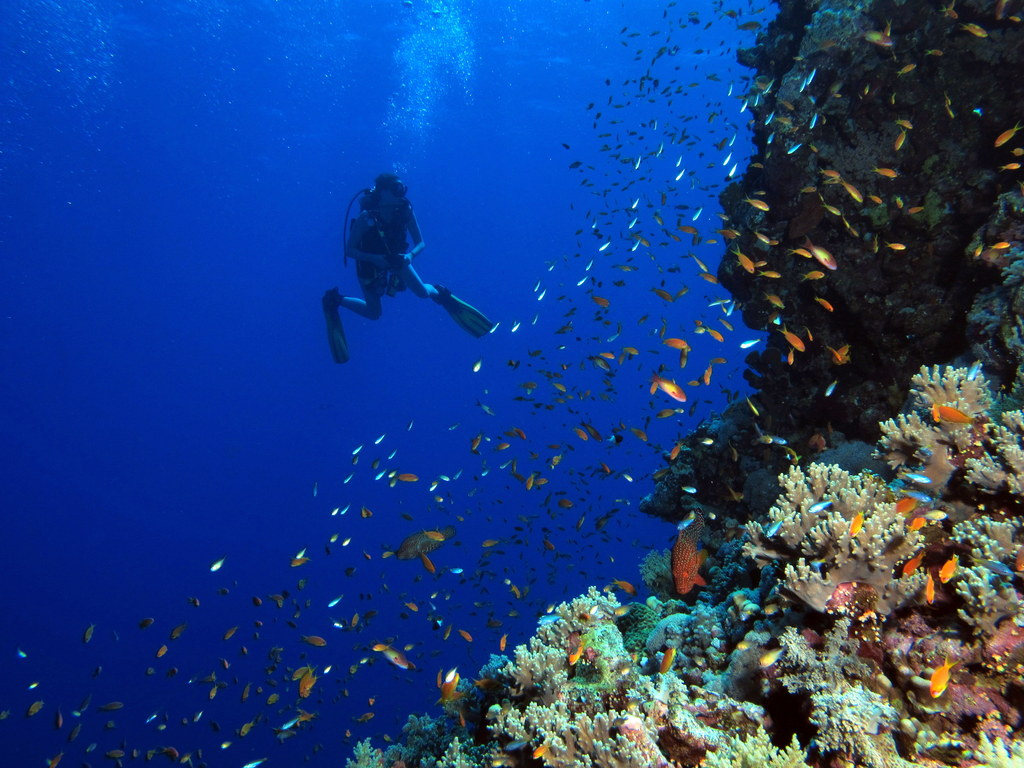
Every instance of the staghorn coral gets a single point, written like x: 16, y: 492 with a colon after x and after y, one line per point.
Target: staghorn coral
x: 1001, y: 469
x: 850, y: 718
x: 811, y: 530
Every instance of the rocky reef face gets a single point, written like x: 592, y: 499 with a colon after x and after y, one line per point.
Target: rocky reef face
x: 878, y: 229
x: 875, y: 124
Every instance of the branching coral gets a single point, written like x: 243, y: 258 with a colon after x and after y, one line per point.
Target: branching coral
x: 812, y: 528
x: 600, y: 710
x: 989, y: 598
x: 755, y: 751
x: 572, y: 738
x: 849, y: 717
x: 986, y: 586
x: 541, y: 669
x: 656, y: 573
x: 988, y: 539
x: 930, y: 441
x: 1001, y: 469
x: 999, y: 753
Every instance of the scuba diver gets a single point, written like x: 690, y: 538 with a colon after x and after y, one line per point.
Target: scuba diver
x: 378, y: 243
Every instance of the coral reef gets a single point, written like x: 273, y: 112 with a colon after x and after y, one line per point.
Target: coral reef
x: 860, y: 610
x: 841, y: 538
x: 849, y: 718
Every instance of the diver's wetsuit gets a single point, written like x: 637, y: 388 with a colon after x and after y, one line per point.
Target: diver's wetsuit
x: 384, y: 262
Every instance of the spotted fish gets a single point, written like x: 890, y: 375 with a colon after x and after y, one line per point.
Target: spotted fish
x: 420, y: 543
x: 686, y: 558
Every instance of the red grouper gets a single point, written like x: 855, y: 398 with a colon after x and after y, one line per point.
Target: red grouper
x: 686, y: 559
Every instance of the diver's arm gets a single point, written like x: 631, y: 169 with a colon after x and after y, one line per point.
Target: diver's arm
x: 414, y: 231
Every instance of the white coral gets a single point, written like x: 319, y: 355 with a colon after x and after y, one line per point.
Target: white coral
x: 822, y: 548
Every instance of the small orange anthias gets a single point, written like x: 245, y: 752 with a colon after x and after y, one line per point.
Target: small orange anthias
x: 686, y: 559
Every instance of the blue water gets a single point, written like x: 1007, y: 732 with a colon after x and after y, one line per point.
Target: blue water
x: 174, y: 179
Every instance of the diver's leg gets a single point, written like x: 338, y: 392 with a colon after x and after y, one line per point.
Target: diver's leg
x: 369, y: 306
x: 415, y: 284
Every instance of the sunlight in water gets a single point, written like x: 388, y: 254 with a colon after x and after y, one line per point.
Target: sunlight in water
x: 434, y: 61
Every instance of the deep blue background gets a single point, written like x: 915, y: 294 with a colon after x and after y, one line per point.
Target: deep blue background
x: 174, y: 179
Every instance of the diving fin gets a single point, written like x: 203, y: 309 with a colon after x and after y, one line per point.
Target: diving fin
x: 469, y: 318
x: 335, y: 333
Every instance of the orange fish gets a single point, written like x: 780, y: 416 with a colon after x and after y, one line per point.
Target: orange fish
x: 625, y: 586
x: 840, y: 356
x: 929, y: 590
x: 940, y: 679
x: 857, y: 524
x: 952, y: 415
x: 1006, y: 135
x: 911, y: 565
x: 396, y: 657
x: 576, y: 646
x: 306, y: 683
x: 314, y: 640
x: 822, y: 256
x: 448, y: 686
x: 794, y: 341
x: 685, y: 557
x: 667, y: 660
x: 948, y: 569
x: 670, y: 388
x: 906, y: 505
